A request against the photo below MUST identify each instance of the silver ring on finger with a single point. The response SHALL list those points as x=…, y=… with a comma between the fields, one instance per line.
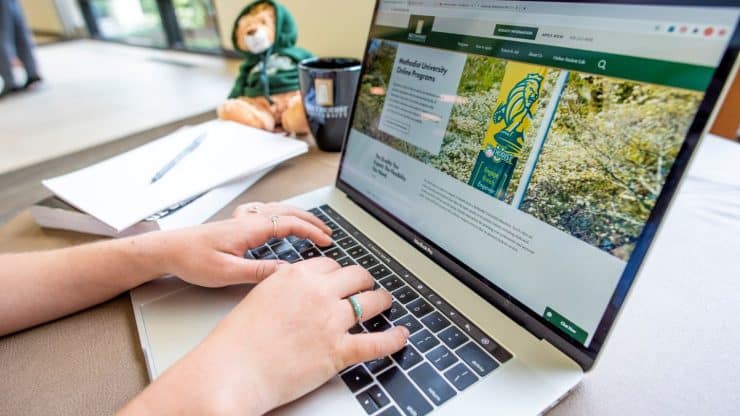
x=274, y=220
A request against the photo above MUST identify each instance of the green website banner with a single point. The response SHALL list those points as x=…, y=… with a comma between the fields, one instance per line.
x=653, y=71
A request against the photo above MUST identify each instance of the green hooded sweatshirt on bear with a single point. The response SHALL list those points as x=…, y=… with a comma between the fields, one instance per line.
x=282, y=59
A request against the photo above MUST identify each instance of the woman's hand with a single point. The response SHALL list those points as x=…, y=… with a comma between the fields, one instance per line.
x=36, y=287
x=278, y=208
x=212, y=255
x=285, y=339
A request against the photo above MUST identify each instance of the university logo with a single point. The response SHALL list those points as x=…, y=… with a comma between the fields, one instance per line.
x=517, y=109
x=501, y=149
x=420, y=27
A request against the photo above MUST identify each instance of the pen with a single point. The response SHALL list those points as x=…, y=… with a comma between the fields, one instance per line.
x=186, y=151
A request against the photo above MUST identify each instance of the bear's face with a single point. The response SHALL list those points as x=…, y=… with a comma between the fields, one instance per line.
x=255, y=31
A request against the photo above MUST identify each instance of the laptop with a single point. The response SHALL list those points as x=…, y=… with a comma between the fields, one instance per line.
x=505, y=170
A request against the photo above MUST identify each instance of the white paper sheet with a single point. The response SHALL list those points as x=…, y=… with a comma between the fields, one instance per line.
x=119, y=193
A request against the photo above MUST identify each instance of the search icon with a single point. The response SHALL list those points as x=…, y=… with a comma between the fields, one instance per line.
x=601, y=65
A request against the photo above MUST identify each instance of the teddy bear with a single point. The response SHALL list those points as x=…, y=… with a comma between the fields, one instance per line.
x=266, y=93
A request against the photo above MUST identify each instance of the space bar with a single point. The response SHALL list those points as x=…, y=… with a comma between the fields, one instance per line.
x=404, y=393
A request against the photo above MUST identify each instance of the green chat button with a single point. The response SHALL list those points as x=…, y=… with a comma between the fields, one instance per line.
x=520, y=32
x=565, y=325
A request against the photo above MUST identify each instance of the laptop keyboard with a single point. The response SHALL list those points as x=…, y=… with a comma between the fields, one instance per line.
x=445, y=354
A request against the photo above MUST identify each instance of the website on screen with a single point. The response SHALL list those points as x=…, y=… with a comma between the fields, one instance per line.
x=529, y=142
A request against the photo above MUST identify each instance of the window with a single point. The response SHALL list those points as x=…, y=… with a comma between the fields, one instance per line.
x=177, y=24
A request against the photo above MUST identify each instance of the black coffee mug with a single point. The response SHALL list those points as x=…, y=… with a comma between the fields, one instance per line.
x=328, y=86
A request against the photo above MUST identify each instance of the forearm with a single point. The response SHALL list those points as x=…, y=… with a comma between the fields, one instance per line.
x=204, y=383
x=39, y=286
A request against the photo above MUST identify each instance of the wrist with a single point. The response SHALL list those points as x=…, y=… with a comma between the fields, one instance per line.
x=200, y=383
x=146, y=252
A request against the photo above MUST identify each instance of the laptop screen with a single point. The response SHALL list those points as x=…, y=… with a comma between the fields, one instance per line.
x=530, y=141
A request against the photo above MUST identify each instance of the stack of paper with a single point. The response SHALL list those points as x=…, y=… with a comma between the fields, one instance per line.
x=120, y=192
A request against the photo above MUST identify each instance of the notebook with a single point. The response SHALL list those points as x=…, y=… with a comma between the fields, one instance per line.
x=119, y=191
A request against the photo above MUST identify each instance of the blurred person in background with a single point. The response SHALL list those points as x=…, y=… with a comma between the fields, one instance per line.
x=16, y=48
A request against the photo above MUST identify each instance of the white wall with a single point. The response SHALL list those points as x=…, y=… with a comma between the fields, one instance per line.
x=325, y=27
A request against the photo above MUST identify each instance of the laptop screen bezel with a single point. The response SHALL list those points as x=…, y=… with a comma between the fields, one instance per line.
x=585, y=356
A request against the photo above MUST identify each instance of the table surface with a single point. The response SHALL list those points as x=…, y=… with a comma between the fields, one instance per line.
x=672, y=352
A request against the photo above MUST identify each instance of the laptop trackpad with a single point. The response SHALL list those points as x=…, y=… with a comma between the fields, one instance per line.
x=177, y=322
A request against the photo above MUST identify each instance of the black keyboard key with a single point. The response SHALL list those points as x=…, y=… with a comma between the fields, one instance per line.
x=310, y=253
x=346, y=243
x=461, y=377
x=423, y=290
x=477, y=359
x=395, y=311
x=367, y=402
x=301, y=245
x=356, y=329
x=289, y=256
x=405, y=274
x=376, y=324
x=410, y=323
x=378, y=365
x=493, y=348
x=405, y=294
x=332, y=225
x=261, y=251
x=424, y=340
x=498, y=352
x=391, y=411
x=435, y=321
x=274, y=241
x=453, y=337
x=345, y=261
x=270, y=256
x=282, y=247
x=446, y=309
x=419, y=307
x=367, y=262
x=378, y=396
x=293, y=238
x=441, y=357
x=316, y=211
x=379, y=271
x=432, y=384
x=248, y=255
x=338, y=235
x=357, y=378
x=407, y=357
x=432, y=298
x=356, y=252
x=334, y=253
x=391, y=283
x=464, y=324
x=404, y=393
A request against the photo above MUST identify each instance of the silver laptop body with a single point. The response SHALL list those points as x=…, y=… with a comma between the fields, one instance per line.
x=513, y=233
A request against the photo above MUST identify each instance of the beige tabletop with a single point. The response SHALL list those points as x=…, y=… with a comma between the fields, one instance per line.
x=673, y=351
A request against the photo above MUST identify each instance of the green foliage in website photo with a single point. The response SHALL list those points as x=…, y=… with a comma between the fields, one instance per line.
x=476, y=98
x=609, y=150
